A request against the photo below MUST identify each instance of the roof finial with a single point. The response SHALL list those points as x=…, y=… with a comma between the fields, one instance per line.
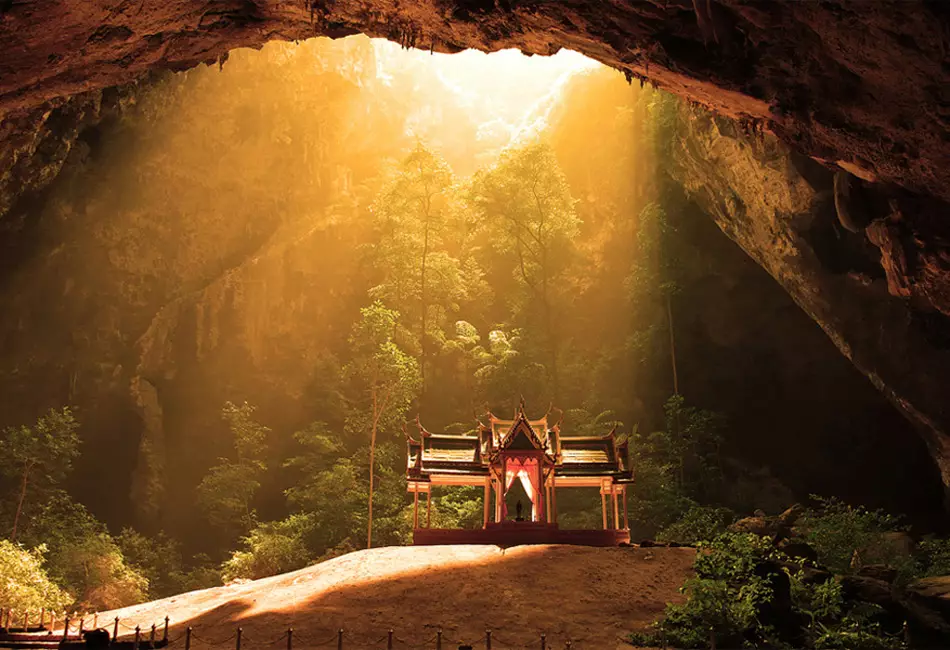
x=521, y=405
x=422, y=429
x=560, y=416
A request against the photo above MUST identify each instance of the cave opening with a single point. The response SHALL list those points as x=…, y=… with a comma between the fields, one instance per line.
x=216, y=235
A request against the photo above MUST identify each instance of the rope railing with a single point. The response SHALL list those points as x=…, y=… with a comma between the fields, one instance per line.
x=155, y=635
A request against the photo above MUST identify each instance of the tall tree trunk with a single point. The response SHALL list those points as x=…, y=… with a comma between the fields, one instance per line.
x=669, y=320
x=423, y=347
x=378, y=407
x=372, y=467
x=19, y=505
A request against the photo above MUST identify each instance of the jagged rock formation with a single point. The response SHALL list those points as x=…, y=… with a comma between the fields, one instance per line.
x=781, y=211
x=860, y=83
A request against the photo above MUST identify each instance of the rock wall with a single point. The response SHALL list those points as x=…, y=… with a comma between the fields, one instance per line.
x=859, y=287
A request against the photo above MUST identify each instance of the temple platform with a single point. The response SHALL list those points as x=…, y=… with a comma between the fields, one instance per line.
x=519, y=533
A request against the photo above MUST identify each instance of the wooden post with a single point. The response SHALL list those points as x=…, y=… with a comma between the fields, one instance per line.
x=487, y=639
x=82, y=621
x=52, y=622
x=188, y=638
x=135, y=644
x=569, y=645
x=42, y=618
x=290, y=638
x=429, y=508
x=415, y=508
x=95, y=621
x=554, y=500
x=115, y=629
x=151, y=637
x=26, y=621
x=712, y=638
x=498, y=499
x=237, y=643
x=603, y=506
x=438, y=639
x=626, y=518
x=65, y=627
x=487, y=499
x=339, y=639
x=613, y=490
x=3, y=614
x=544, y=643
x=165, y=633
x=389, y=640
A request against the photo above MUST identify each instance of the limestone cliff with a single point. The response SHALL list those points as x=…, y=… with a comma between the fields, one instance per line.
x=780, y=209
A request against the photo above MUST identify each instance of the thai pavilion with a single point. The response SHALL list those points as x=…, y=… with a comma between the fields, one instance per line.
x=529, y=453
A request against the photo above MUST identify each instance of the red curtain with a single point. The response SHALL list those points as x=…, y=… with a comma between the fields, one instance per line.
x=524, y=468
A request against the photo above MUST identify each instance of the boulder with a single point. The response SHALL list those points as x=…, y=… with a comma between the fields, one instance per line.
x=881, y=572
x=869, y=590
x=798, y=549
x=885, y=550
x=927, y=603
x=763, y=526
x=792, y=514
x=754, y=525
x=934, y=592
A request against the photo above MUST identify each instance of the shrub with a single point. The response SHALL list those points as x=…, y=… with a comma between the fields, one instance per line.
x=934, y=557
x=97, y=569
x=271, y=548
x=837, y=531
x=752, y=595
x=24, y=584
x=699, y=524
x=726, y=596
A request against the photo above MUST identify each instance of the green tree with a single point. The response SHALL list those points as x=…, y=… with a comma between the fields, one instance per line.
x=527, y=206
x=25, y=584
x=159, y=559
x=423, y=266
x=40, y=455
x=82, y=556
x=384, y=380
x=677, y=469
x=227, y=492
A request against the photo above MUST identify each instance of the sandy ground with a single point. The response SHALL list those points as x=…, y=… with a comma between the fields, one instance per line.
x=590, y=596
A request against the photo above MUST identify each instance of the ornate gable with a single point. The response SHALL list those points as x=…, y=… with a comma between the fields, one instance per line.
x=522, y=437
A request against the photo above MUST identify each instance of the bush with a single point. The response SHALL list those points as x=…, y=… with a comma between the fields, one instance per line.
x=752, y=595
x=838, y=531
x=933, y=557
x=699, y=524
x=726, y=596
x=102, y=579
x=271, y=548
x=24, y=584
x=202, y=575
x=82, y=557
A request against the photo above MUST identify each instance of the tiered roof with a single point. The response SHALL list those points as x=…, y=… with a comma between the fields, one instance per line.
x=473, y=455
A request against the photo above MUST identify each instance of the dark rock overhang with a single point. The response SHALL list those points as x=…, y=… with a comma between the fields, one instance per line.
x=864, y=85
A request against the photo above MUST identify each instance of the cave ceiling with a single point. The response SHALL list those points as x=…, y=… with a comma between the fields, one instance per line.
x=856, y=83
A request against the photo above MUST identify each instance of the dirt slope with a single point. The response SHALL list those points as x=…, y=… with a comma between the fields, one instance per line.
x=591, y=596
